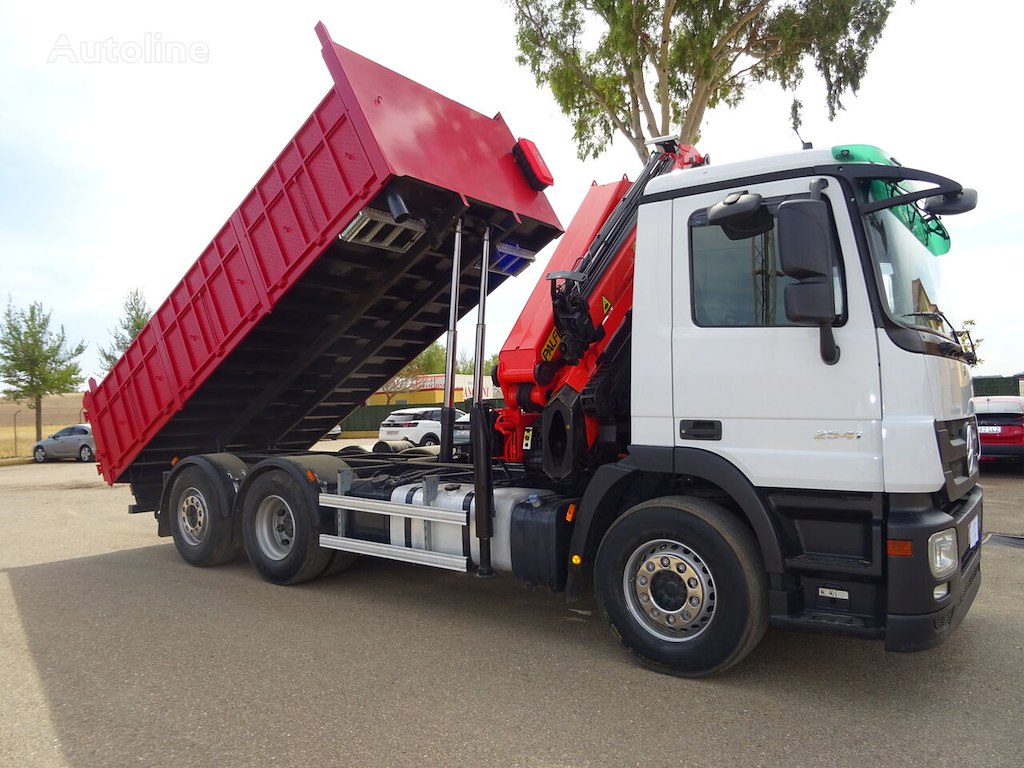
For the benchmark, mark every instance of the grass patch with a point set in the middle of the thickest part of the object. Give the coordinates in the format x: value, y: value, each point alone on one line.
x: 58, y: 411
x: 26, y: 438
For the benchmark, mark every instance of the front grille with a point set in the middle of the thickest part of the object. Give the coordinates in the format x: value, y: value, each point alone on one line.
x: 954, y: 439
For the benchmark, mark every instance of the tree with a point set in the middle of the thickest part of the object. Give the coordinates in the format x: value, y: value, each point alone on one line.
x: 433, y: 358
x: 136, y: 314
x: 404, y: 381
x: 655, y: 67
x: 466, y: 364
x: 968, y: 343
x: 35, y: 361
x: 430, y: 360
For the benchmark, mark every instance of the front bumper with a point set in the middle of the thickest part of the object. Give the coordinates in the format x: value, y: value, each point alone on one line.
x: 915, y: 620
x: 997, y: 451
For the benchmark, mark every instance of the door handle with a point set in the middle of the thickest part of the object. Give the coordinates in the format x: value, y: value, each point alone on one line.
x: 700, y: 429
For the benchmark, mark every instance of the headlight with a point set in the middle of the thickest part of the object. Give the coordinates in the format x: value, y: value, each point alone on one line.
x: 943, y: 555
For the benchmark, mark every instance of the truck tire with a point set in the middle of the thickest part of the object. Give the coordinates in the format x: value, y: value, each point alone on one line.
x: 201, y: 533
x: 681, y: 582
x: 340, y: 562
x: 277, y: 528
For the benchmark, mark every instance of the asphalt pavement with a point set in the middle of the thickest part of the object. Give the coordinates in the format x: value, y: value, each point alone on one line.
x: 114, y: 652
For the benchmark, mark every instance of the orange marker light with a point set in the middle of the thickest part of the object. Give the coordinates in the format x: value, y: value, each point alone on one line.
x: 570, y: 513
x: 174, y: 461
x: 899, y: 548
x: 310, y: 476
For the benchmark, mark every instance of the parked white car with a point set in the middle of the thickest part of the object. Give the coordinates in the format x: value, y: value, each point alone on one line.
x: 420, y: 426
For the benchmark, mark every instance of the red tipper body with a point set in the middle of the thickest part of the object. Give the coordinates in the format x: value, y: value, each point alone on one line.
x: 332, y: 274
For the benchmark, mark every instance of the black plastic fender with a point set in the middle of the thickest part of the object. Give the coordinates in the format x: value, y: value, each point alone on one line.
x: 601, y: 503
x: 224, y: 469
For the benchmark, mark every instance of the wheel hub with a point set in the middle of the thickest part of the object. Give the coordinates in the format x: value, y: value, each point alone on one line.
x: 275, y: 527
x: 669, y: 588
x: 192, y: 516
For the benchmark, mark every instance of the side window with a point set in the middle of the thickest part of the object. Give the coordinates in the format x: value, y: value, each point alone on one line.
x: 735, y: 283
x: 66, y: 432
x: 735, y: 278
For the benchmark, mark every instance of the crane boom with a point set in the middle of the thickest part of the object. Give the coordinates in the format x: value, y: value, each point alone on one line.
x: 562, y: 365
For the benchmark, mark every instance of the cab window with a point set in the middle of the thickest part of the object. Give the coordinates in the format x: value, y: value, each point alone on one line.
x: 738, y: 282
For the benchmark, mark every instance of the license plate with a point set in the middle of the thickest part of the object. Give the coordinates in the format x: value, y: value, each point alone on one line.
x: 974, y: 532
x: 390, y: 432
x: 990, y: 430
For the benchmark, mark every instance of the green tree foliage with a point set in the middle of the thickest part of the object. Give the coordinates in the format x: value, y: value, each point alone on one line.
x: 968, y: 342
x: 136, y: 314
x: 432, y: 359
x: 466, y: 363
x: 35, y: 361
x: 650, y: 68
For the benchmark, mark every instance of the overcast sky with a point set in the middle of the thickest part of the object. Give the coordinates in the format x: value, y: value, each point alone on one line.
x: 116, y: 168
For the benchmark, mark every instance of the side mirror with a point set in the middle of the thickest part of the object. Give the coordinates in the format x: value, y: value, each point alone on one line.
x: 807, y: 253
x: 952, y: 202
x: 741, y: 215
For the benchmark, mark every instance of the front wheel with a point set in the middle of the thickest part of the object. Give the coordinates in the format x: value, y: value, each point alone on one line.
x: 39, y: 454
x: 681, y: 582
x: 277, y: 526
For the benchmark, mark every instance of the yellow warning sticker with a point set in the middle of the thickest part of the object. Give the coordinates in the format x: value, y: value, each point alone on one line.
x: 605, y: 305
x: 554, y: 339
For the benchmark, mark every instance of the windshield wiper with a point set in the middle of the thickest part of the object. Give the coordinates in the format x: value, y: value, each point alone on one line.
x: 954, y: 349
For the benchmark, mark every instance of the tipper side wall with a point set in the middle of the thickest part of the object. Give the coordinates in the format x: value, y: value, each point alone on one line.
x: 315, y: 292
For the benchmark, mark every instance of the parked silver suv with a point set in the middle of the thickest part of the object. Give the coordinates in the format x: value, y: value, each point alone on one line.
x: 420, y: 426
x: 74, y: 442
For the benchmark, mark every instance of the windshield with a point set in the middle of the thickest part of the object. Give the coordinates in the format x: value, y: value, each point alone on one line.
x: 904, y: 243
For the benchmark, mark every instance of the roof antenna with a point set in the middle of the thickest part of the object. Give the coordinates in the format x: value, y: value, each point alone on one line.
x: 806, y: 144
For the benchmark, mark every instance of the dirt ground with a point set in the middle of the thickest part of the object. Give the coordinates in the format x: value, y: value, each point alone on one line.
x: 113, y: 652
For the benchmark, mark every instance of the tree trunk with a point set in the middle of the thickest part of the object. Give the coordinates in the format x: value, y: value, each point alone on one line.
x: 39, y: 417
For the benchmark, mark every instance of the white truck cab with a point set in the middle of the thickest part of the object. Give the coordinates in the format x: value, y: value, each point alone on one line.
x: 805, y: 365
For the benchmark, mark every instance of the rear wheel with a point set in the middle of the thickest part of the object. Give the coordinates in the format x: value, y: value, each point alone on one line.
x: 277, y: 528
x: 681, y: 582
x: 85, y: 453
x: 430, y: 440
x: 201, y: 533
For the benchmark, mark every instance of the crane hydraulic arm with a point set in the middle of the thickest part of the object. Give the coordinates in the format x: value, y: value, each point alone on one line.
x: 565, y: 363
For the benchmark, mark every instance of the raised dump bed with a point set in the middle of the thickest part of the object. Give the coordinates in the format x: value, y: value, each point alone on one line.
x: 332, y: 274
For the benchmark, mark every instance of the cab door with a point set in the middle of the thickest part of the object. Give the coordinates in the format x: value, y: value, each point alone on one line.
x: 751, y: 385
